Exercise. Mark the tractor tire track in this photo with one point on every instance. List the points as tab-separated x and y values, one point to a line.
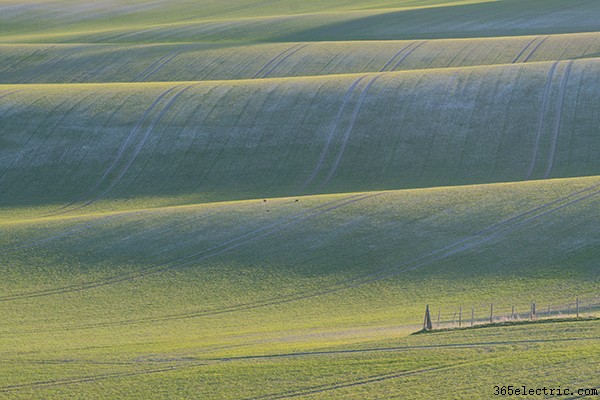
212	251
165	60
146	71
93	378
537	46
396	56
274	59
278	63
524	49
558	119
541	119
332	129
348	131
407	54
342	385
120	153
142	142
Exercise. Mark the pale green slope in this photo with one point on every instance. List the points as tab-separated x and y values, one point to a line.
362	21
213	141
190	62
154	289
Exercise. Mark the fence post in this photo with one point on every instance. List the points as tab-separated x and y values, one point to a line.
512	315
533	311
492	313
472	316
460	318
577	306
439	313
548	311
427	322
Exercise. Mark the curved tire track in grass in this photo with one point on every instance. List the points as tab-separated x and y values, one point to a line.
278	63
332	129
348	131
348	384
537	46
541	119
402	50
558	119
122	150
528	45
407	54
93	378
274	60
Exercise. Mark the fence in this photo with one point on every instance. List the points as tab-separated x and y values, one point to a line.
462	317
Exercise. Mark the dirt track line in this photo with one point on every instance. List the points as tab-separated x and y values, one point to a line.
278	63
524	49
206	253
541	119
363	381
537	46
332	129
396	56
558	119
348	131
274	59
407	54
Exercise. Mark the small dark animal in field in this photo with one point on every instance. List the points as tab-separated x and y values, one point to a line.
265	200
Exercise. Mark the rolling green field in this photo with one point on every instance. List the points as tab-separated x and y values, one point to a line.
257	199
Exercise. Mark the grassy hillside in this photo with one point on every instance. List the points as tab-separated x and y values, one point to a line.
227	140
80	63
346	268
256	199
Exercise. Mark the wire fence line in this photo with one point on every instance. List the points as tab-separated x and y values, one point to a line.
466	316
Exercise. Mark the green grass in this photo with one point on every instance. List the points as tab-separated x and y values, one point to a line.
282	137
80	63
256	199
